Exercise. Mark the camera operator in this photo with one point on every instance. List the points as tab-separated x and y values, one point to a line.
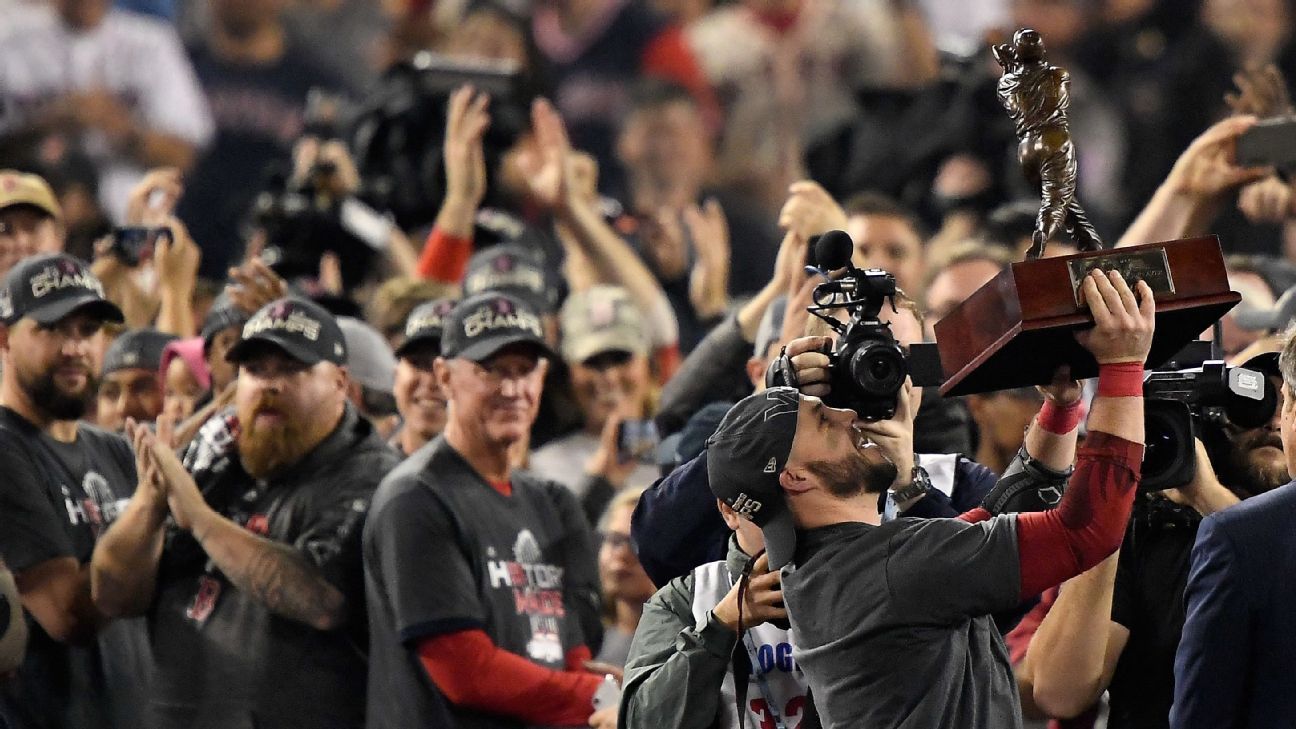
891	619
675	530
1116	627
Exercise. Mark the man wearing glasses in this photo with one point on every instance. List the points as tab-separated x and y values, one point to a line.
481	581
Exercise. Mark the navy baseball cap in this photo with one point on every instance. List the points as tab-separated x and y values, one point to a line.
745	456
425	324
303	329
481	325
50	287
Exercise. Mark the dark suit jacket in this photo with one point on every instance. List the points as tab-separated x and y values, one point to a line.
1236	664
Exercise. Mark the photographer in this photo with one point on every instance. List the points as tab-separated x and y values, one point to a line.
685	533
1116	627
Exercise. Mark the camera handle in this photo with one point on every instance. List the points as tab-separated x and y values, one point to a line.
781	372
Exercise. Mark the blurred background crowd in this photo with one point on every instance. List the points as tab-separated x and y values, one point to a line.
646	175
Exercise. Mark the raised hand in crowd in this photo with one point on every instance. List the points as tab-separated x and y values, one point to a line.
1261	92
153	201
467	119
1192	193
606	462
709	281
810	210
1267	201
253	285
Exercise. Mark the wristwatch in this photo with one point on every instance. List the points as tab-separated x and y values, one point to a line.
919	484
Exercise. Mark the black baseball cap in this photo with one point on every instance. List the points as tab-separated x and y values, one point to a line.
50	287
744	459
303	329
516	270
137	349
222	315
425	324
481	325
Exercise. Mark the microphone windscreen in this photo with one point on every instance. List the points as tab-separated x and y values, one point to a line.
834	250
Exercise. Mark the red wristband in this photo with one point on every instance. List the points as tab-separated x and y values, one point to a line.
1060	419
1120	379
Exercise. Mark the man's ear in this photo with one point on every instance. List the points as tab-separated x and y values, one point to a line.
756	372
729	515
795	480
441	371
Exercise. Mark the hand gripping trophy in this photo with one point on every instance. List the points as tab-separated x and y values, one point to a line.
1037	96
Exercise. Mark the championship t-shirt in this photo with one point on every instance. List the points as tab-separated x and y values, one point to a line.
446	552
56	500
893	626
224	660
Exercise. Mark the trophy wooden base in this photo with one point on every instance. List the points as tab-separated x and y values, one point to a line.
1019	328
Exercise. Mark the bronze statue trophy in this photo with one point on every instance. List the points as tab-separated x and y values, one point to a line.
1037	96
1019	328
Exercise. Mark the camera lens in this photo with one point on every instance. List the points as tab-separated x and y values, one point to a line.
1169	454
879	368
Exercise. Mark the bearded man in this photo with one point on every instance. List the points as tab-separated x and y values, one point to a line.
255	592
64	483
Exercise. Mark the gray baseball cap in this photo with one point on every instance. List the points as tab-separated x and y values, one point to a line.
369	358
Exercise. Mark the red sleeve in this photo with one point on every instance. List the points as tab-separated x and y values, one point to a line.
474	673
577	657
975	515
1089	524
667	359
668	56
444	256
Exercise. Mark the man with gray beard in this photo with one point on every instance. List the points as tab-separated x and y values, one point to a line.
255	590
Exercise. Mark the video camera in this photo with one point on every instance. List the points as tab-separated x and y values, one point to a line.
1179	401
867	366
398	132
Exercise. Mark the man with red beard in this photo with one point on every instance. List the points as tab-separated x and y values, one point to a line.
481	580
256	601
64	483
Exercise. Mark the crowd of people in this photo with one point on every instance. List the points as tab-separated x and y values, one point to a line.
407	364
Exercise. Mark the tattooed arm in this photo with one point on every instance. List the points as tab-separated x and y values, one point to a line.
276	574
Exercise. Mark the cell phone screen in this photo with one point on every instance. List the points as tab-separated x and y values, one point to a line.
636	439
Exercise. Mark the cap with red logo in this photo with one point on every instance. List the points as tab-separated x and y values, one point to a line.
513	269
480	326
601	319
51	286
306	331
21	188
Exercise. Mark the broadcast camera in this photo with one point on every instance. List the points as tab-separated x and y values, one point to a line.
868	366
398	132
1180	402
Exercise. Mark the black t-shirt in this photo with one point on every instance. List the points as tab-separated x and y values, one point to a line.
56	499
223	659
1148	600
259	113
445	552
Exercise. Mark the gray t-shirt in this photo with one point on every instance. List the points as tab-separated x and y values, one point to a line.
893	626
